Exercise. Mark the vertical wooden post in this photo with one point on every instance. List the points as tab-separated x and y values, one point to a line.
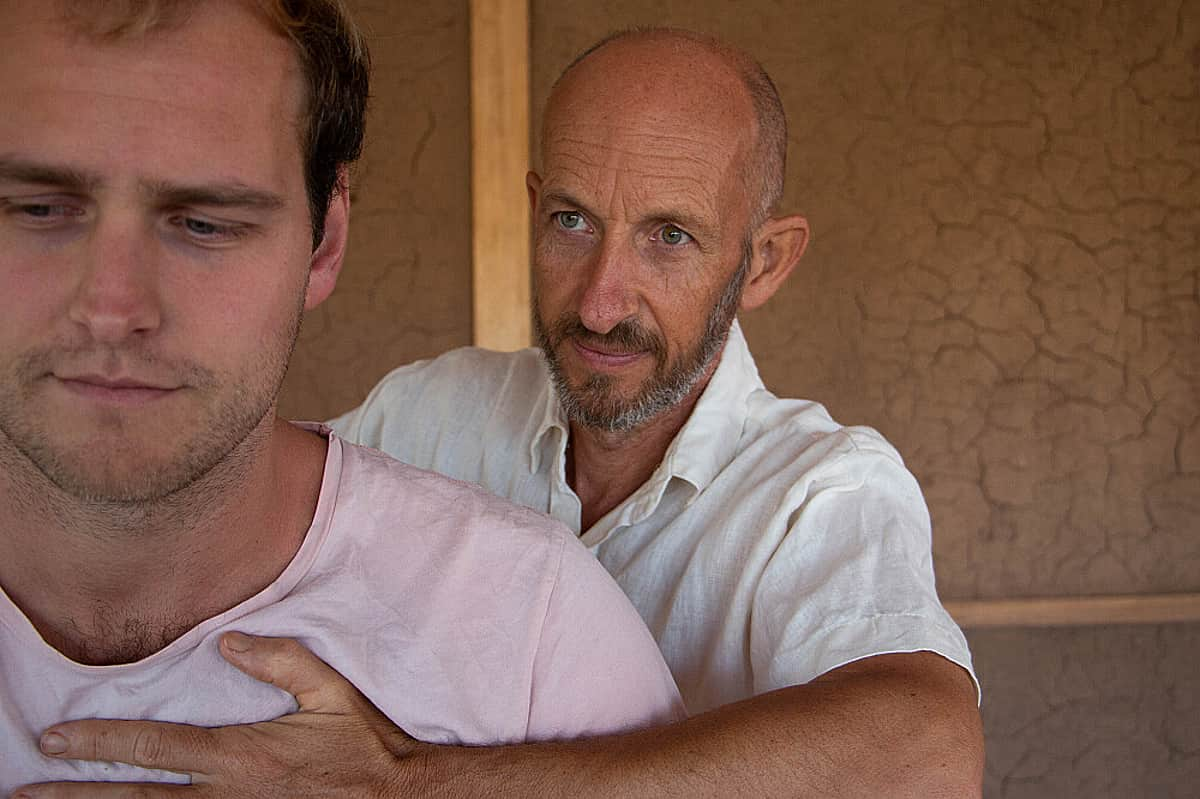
499	161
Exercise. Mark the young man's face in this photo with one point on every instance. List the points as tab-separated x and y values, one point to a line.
155	246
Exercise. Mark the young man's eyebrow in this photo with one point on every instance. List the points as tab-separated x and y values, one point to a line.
34	173
219	195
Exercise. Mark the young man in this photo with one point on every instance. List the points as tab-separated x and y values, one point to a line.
781	560
172	197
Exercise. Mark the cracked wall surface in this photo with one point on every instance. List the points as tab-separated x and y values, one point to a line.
405	290
1101	712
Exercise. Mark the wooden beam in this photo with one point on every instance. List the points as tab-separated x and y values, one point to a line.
499	161
1077	611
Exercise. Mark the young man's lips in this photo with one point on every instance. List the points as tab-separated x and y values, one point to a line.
600	358
120	391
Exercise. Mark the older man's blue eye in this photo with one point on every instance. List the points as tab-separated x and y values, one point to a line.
673	235
570	220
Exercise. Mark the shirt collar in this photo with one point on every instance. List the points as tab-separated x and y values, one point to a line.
704	445
708	440
552	418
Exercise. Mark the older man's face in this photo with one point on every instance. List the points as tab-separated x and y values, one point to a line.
154	246
640	227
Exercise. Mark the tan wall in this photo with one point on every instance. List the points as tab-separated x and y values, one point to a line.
405	291
1004	279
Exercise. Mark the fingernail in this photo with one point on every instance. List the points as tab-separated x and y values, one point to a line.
238	642
53	743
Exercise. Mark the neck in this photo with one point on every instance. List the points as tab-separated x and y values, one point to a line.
115	582
605	468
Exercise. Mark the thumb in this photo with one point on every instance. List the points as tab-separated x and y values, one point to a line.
286	664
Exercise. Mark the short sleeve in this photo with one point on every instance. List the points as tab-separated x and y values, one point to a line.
852	578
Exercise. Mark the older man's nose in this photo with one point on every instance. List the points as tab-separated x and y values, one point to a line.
609	296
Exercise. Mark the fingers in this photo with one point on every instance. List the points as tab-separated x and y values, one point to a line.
286	664
102	790
150	744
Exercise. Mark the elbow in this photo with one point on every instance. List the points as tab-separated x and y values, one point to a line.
948	758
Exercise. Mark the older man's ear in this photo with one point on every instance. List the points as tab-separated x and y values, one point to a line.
777	246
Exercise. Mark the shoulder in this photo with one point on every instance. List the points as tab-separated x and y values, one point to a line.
398	491
415	405
803	433
459	371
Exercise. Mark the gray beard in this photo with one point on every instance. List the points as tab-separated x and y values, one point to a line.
594	405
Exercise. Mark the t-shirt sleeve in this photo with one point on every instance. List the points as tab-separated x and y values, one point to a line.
597	669
853	578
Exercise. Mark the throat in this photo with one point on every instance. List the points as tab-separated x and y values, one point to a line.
109	641
605	476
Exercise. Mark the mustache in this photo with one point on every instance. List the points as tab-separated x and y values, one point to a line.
627	336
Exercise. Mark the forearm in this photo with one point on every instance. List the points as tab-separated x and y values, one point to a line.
867	731
894	725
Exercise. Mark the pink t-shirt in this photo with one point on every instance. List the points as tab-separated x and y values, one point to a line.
462	617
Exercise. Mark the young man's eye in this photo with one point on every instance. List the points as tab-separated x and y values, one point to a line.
570	220
669	234
40	214
206	230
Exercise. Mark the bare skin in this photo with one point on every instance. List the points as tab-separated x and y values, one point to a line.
606	211
119	598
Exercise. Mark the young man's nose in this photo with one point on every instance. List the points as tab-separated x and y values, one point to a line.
117	294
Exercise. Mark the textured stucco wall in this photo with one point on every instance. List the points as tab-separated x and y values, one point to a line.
405	291
1095	713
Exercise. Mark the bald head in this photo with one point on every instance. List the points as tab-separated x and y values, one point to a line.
685	58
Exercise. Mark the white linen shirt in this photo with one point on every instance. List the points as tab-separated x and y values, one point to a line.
770	546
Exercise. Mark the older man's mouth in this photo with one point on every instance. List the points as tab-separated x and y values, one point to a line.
600	357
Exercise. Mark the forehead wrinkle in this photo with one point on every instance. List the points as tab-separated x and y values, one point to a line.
655	142
668	185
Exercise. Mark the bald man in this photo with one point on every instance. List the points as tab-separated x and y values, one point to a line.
781	560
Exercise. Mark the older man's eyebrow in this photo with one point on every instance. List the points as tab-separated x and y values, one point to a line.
214	195
35	173
563	198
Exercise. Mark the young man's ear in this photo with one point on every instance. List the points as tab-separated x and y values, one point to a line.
326	262
777	246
